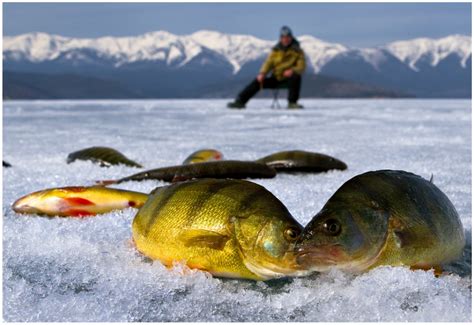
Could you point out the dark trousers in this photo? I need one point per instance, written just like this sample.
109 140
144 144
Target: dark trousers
293 84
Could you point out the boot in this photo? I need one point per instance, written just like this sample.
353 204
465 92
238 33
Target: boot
237 104
294 106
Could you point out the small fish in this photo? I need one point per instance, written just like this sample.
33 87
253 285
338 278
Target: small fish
384 217
103 156
302 161
203 156
230 228
78 201
6 164
211 169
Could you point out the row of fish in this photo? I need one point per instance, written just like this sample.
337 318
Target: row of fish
106 157
235 228
266 167
209 163
206 163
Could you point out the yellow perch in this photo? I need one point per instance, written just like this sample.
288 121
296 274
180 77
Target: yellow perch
78 201
203 156
384 217
230 228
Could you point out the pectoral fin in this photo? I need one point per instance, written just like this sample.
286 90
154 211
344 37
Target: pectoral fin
78 201
413 235
204 238
411 238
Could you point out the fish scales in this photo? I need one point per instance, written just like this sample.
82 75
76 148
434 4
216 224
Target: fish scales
208 223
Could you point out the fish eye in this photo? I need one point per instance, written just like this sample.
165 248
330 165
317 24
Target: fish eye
292 233
332 227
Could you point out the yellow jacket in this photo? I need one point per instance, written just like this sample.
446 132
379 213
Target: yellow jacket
281 59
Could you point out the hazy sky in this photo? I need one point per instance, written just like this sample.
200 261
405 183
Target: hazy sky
353 24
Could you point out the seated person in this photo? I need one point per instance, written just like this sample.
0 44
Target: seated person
287 64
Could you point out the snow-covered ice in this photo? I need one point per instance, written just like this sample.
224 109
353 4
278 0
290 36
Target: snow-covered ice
86 270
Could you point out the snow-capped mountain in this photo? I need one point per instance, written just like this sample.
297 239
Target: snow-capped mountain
238 49
159 46
205 57
433 50
156 46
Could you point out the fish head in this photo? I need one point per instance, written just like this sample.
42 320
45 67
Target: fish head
203 156
348 237
267 244
337 164
50 201
40 202
329 162
212 155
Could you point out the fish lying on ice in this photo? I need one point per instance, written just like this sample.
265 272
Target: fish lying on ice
103 156
212 169
78 201
384 217
203 156
302 161
230 228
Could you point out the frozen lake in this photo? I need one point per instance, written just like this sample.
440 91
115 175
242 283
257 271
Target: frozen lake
86 270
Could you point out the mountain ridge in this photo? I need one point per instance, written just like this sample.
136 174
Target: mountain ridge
39 46
424 67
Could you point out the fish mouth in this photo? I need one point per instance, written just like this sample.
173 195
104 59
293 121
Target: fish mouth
268 270
27 205
341 165
317 258
18 207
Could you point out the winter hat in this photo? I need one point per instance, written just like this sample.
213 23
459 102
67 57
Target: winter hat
285 31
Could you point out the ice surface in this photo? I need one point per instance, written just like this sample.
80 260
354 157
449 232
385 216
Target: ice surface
86 270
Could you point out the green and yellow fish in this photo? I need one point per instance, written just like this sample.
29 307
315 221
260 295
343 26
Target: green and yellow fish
78 201
210 169
203 156
302 161
103 156
230 228
384 217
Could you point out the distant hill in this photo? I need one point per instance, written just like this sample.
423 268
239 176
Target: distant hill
161 64
319 86
20 85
